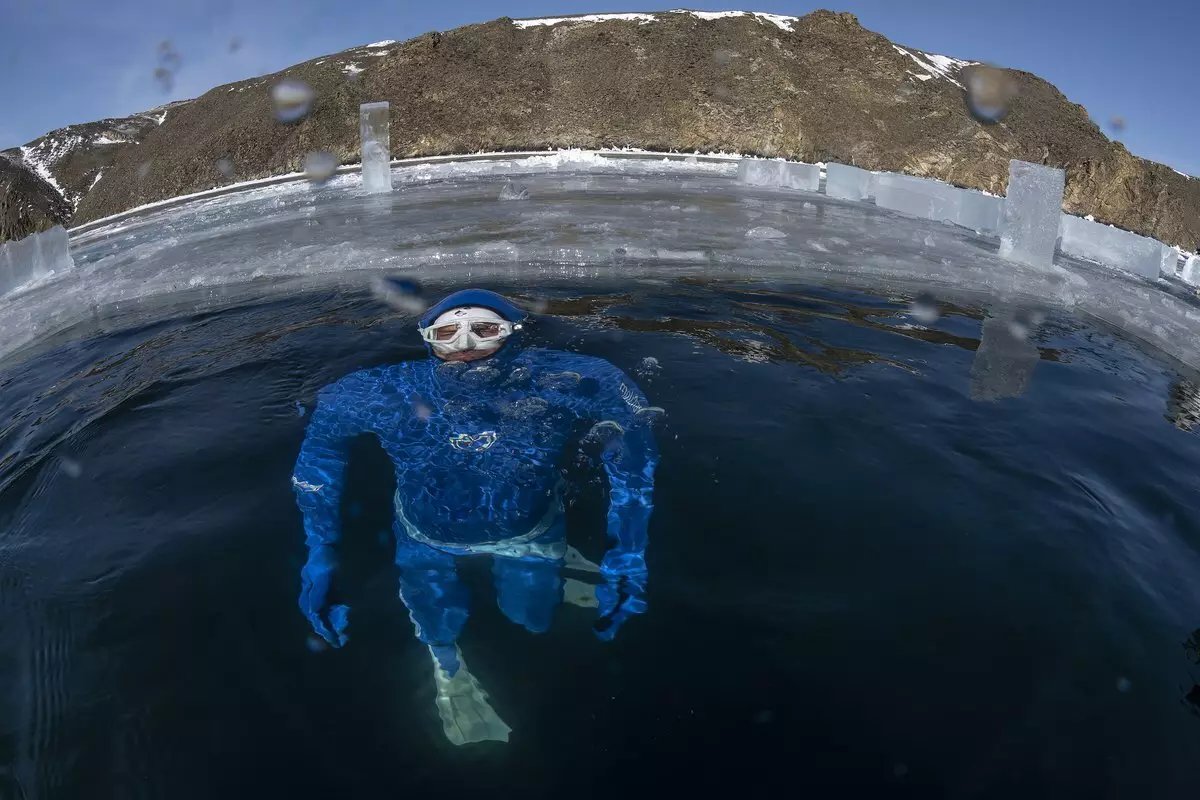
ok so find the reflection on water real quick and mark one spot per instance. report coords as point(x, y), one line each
point(1005, 360)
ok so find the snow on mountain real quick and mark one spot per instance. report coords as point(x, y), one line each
point(942, 66)
point(779, 20)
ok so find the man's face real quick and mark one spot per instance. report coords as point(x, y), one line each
point(467, 334)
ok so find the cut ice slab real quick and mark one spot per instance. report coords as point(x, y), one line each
point(1191, 271)
point(1029, 229)
point(783, 174)
point(374, 128)
point(981, 212)
point(849, 183)
point(918, 197)
point(1115, 248)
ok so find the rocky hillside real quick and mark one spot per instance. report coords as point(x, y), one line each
point(819, 87)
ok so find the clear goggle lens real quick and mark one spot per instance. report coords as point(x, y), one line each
point(481, 330)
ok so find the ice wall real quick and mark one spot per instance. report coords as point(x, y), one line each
point(33, 258)
point(1029, 230)
point(1191, 271)
point(849, 183)
point(981, 212)
point(374, 129)
point(918, 197)
point(1116, 248)
point(784, 174)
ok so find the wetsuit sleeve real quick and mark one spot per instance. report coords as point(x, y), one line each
point(630, 456)
point(318, 481)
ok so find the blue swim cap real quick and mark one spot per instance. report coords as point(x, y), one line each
point(474, 297)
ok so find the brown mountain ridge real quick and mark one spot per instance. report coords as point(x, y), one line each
point(814, 88)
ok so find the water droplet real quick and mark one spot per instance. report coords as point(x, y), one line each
point(763, 717)
point(235, 44)
point(143, 170)
point(165, 78)
point(1117, 123)
point(292, 99)
point(924, 309)
point(319, 166)
point(514, 191)
point(539, 305)
point(1124, 685)
point(225, 167)
point(899, 769)
point(722, 57)
point(315, 644)
point(402, 294)
point(70, 467)
point(990, 92)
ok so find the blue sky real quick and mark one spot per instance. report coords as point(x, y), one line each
point(64, 61)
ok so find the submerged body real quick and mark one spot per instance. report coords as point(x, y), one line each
point(477, 444)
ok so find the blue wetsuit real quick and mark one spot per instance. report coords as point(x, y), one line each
point(477, 449)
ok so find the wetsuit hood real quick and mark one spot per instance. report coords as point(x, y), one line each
point(485, 299)
point(474, 297)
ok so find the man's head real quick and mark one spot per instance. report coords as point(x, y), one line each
point(469, 325)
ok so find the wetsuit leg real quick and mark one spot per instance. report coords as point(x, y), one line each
point(436, 600)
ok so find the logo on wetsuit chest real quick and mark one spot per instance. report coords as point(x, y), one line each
point(473, 442)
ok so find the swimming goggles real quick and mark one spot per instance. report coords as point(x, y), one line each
point(461, 334)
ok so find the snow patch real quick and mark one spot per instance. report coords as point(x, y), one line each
point(938, 65)
point(1184, 174)
point(95, 180)
point(351, 69)
point(46, 154)
point(104, 138)
point(158, 118)
point(780, 21)
point(384, 43)
point(533, 23)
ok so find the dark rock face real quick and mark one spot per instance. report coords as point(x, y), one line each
point(27, 203)
point(820, 87)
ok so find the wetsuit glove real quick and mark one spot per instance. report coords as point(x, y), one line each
point(331, 625)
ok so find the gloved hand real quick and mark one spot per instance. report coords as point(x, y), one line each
point(620, 597)
point(331, 625)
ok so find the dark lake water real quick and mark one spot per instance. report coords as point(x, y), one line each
point(890, 556)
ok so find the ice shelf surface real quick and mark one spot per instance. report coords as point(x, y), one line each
point(1191, 271)
point(782, 174)
point(33, 258)
point(1115, 248)
point(374, 129)
point(587, 215)
point(918, 197)
point(1032, 208)
point(849, 183)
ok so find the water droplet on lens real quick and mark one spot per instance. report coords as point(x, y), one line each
point(315, 644)
point(990, 92)
point(1117, 124)
point(225, 167)
point(235, 44)
point(402, 294)
point(143, 170)
point(292, 99)
point(900, 770)
point(70, 467)
point(539, 305)
point(1124, 685)
point(514, 191)
point(165, 78)
point(924, 309)
point(319, 166)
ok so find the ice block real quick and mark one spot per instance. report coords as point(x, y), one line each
point(1191, 271)
point(373, 128)
point(849, 183)
point(918, 197)
point(981, 212)
point(1114, 247)
point(1029, 229)
point(785, 174)
point(56, 250)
